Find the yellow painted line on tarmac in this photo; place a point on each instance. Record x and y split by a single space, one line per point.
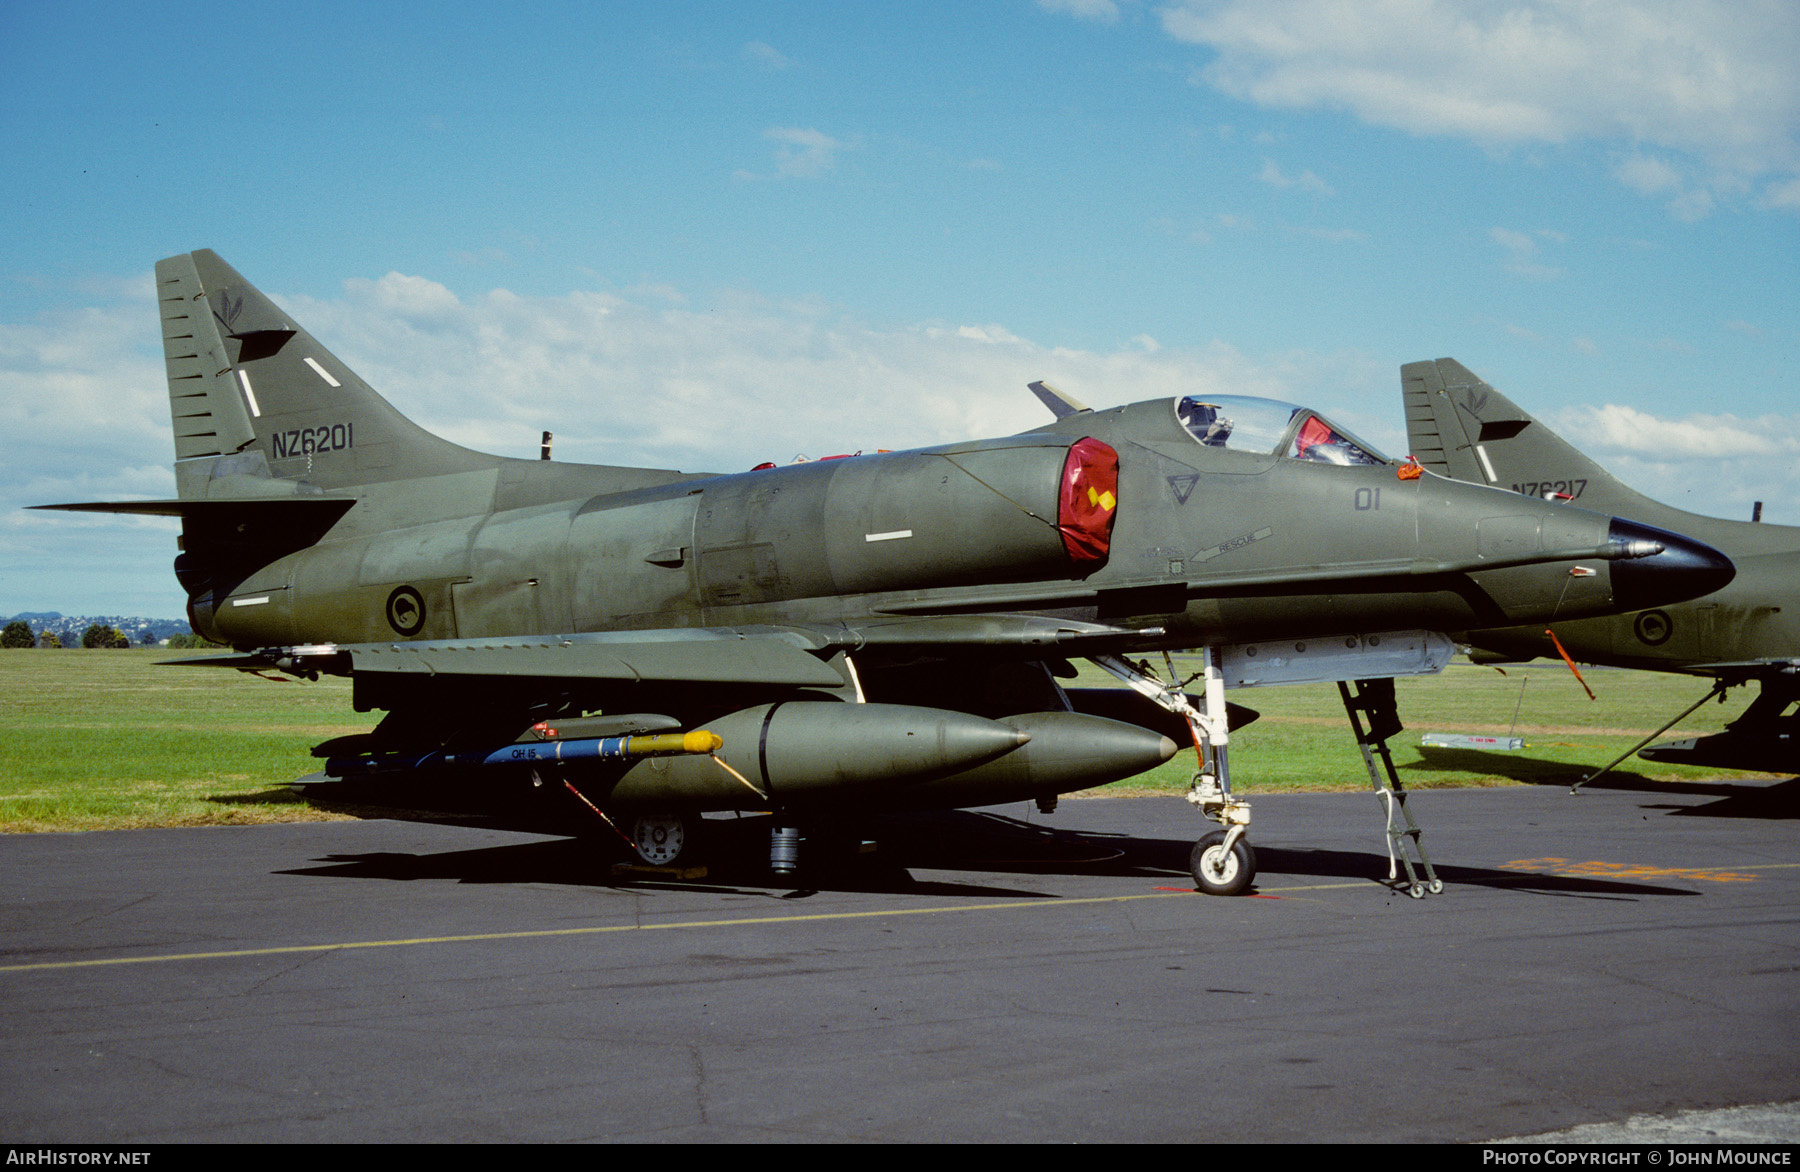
1556 866
545 933
1278 892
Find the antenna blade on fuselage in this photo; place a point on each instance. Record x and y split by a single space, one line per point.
1060 405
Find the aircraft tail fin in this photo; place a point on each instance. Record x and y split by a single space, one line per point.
254 398
1460 427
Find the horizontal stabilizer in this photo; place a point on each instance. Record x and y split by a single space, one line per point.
254 661
233 531
286 509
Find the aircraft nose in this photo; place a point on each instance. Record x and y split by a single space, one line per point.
1680 569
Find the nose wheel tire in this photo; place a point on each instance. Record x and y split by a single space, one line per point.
1218 871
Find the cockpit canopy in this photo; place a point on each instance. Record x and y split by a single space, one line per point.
1269 427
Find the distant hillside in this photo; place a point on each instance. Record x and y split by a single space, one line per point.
68 628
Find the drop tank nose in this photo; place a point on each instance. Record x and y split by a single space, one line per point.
1659 567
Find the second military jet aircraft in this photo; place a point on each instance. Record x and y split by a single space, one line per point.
1748 629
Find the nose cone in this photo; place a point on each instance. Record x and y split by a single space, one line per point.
1682 569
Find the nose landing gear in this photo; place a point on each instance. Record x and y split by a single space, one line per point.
1222 862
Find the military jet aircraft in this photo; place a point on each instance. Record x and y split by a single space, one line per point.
1748 629
876 631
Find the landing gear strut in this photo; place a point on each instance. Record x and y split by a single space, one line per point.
1222 862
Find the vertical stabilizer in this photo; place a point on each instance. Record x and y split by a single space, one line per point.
210 418
254 398
1460 427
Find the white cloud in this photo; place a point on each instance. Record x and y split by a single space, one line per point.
1784 193
1334 235
1708 437
1689 201
1712 80
82 393
1691 205
988 333
1522 251
420 303
1647 174
1516 243
85 411
1306 180
1101 10
765 55
648 376
804 153
1714 465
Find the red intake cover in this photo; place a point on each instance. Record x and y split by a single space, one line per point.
1090 494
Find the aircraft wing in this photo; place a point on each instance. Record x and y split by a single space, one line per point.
946 633
764 657
770 656
789 656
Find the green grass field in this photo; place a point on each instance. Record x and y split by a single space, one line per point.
109 739
1303 740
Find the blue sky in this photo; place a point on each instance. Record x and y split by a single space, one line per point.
705 235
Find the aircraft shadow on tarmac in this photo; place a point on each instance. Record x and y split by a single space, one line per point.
963 841
1750 798
736 858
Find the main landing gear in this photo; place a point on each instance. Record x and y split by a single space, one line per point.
659 839
1222 862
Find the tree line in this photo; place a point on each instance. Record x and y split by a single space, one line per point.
18 633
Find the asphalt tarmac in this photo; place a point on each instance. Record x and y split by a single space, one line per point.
985 976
